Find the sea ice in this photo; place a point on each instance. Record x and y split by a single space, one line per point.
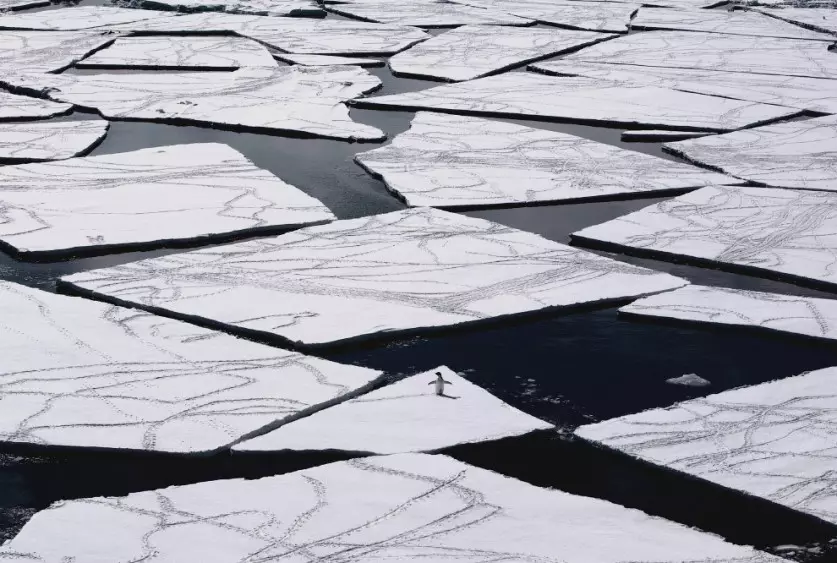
85 374
786 233
326 60
531 95
13 107
425 14
78 18
819 19
146 197
689 380
472 51
296 8
14 5
374 276
796 154
594 16
455 161
776 440
408 507
406 416
51 140
39 51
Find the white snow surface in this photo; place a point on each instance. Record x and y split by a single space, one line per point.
455 161
821 19
50 140
78 18
146 196
594 16
297 8
473 51
85 374
405 270
787 232
425 14
39 51
326 60
585 99
776 440
13 106
406 416
389 508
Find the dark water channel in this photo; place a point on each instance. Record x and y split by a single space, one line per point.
568 369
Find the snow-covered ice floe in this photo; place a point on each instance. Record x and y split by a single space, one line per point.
77 373
594 16
689 380
776 440
13 107
280 100
149 197
295 8
531 95
375 276
408 507
819 19
798 154
407 416
806 316
473 51
425 14
50 140
326 60
39 51
455 161
789 234
78 18
14 5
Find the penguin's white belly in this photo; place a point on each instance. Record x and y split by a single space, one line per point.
440 387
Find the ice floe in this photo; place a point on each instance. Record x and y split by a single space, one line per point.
472 51
90 375
776 440
532 95
797 154
407 416
14 5
78 18
146 197
375 276
455 161
594 16
23 107
820 19
783 233
689 380
386 508
51 140
425 14
38 51
326 60
296 8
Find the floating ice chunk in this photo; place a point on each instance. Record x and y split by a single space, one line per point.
146 197
583 99
805 316
715 51
14 5
472 51
820 19
406 416
297 8
775 440
797 154
782 233
37 51
85 374
181 53
651 136
26 142
326 60
425 14
453 161
78 18
689 380
24 107
374 276
594 16
386 508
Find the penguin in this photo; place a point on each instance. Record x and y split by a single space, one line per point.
440 383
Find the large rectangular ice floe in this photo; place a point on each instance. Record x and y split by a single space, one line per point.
13 107
408 507
472 51
279 100
820 19
77 373
594 16
776 440
407 416
50 140
375 276
425 14
39 51
716 51
804 316
456 161
531 95
148 197
797 154
78 18
788 234
295 8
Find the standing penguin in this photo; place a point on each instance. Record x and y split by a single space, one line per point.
440 383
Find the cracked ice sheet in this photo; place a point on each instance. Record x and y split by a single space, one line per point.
406 416
805 316
792 233
594 16
296 8
78 18
298 99
813 94
715 21
796 154
473 51
820 19
23 142
326 60
145 197
407 507
531 95
39 51
453 161
374 276
84 374
181 53
13 106
715 51
775 440
425 14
